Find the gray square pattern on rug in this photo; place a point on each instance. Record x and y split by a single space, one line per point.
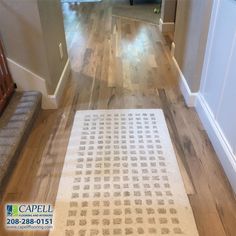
121 177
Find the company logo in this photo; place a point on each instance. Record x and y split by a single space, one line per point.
35 208
28 216
12 210
19 209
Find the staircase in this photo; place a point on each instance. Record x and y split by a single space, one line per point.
18 110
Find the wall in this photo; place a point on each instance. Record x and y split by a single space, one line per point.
53 34
191 30
168 10
21 32
217 96
167 19
31 32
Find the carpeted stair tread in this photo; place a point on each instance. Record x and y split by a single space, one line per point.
15 125
10 109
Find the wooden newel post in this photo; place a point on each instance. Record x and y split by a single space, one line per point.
6 82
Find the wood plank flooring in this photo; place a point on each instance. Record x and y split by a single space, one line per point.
121 63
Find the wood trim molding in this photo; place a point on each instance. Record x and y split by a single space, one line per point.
218 140
189 97
165 27
172 52
54 100
27 80
208 117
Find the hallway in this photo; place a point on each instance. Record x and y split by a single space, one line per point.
120 63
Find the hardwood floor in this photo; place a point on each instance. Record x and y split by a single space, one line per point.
121 63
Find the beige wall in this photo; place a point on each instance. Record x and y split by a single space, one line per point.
22 36
31 31
191 31
53 33
168 10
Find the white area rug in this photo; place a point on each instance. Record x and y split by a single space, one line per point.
121 177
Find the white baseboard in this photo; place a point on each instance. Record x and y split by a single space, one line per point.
27 80
172 52
54 100
166 26
189 97
218 140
